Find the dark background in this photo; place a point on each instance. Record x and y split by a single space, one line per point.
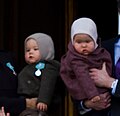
104 13
20 18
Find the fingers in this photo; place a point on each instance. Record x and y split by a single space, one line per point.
95 99
104 66
108 105
106 98
8 114
106 95
93 70
93 73
93 77
2 113
2 108
42 106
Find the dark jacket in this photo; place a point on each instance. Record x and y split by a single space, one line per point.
43 86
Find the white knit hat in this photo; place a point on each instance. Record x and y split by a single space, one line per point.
85 26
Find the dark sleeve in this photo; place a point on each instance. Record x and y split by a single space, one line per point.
13 105
117 92
48 82
81 108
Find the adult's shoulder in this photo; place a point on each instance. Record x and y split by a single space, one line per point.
111 41
108 44
108 41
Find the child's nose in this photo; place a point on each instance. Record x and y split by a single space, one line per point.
31 51
84 44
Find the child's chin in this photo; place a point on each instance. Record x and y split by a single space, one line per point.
31 62
85 54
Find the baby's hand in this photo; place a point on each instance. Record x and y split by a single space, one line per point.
42 106
95 99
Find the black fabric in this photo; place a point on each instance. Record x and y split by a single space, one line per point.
33 112
14 105
8 81
97 113
8 86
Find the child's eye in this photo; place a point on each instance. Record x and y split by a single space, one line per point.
27 50
78 42
88 41
36 49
